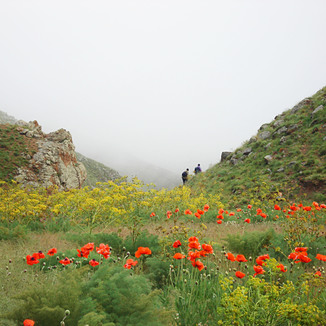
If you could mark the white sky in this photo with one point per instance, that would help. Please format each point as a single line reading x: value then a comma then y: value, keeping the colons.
x: 173, y: 83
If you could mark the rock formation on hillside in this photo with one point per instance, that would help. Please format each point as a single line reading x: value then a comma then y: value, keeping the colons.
x: 54, y: 161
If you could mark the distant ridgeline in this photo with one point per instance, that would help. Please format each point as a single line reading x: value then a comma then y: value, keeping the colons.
x: 286, y: 158
x: 31, y: 157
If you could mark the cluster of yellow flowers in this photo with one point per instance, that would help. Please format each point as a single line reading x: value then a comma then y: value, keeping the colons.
x: 110, y: 202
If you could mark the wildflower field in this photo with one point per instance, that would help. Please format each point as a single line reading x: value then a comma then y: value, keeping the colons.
x: 124, y: 253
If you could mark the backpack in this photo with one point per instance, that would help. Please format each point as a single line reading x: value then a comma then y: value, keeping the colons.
x: 184, y: 174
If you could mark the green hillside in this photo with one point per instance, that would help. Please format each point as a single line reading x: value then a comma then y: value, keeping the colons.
x: 96, y: 172
x: 285, y: 159
x: 17, y: 149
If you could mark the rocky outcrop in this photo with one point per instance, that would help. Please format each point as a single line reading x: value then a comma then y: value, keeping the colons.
x: 54, y: 161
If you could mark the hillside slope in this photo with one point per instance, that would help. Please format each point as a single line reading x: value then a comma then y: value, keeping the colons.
x: 285, y: 158
x: 17, y: 150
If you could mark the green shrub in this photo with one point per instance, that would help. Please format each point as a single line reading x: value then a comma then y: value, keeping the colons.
x: 249, y: 244
x: 46, y: 302
x: 114, y: 295
x: 13, y: 233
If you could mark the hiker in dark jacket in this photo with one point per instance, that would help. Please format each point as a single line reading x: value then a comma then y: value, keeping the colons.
x: 185, y: 176
x: 197, y: 169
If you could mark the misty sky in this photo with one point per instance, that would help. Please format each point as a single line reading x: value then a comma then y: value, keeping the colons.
x: 173, y: 83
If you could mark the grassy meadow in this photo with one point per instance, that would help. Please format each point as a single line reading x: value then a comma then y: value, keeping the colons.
x: 126, y: 254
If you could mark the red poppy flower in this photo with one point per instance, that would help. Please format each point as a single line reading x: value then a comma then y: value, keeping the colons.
x: 318, y: 273
x: 194, y: 245
x: 178, y: 256
x: 193, y: 239
x: 198, y: 264
x: 221, y: 211
x: 38, y: 255
x: 247, y: 220
x: 176, y: 210
x: 89, y: 247
x: 129, y: 263
x: 188, y: 212
x: 30, y: 260
x: 65, y: 261
x: 104, y: 250
x: 168, y: 214
x: 193, y: 255
x: 152, y: 214
x: 300, y: 249
x: 259, y: 211
x: 82, y: 253
x: 219, y: 221
x: 199, y: 211
x: 230, y: 256
x: 249, y: 206
x: 239, y: 210
x: 197, y: 215
x: 231, y: 214
x: 303, y: 259
x: 176, y: 244
x: 206, y: 208
x: 258, y: 270
x: 323, y: 206
x: 93, y: 262
x: 239, y: 274
x: 263, y: 215
x: 29, y: 322
x: 307, y: 208
x: 220, y: 216
x: 52, y: 251
x: 321, y: 257
x: 207, y: 248
x: 281, y: 267
x: 241, y: 258
x: 143, y: 251
x: 277, y: 208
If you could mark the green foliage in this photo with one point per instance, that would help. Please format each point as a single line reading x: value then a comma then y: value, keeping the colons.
x: 114, y: 295
x: 13, y: 149
x: 145, y: 239
x: 157, y: 271
x: 249, y: 244
x: 297, y: 167
x: 14, y: 232
x: 46, y: 302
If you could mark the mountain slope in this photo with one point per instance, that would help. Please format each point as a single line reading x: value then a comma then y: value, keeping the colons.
x: 287, y: 155
x: 96, y: 171
x: 16, y: 150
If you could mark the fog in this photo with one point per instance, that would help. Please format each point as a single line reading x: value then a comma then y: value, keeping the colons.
x: 170, y: 83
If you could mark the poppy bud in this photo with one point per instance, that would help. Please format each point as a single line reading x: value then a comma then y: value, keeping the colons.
x: 25, y: 270
x: 58, y: 258
x: 119, y: 258
x: 9, y: 261
x: 124, y: 249
x: 250, y: 258
x: 196, y: 283
x: 230, y: 269
x: 218, y: 268
x: 67, y: 312
x: 246, y: 266
x: 62, y: 323
x: 44, y: 263
x: 185, y: 281
x: 54, y: 267
x: 226, y: 273
x: 9, y: 274
x: 7, y: 267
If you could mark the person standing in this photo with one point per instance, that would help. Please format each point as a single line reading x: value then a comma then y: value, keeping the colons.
x: 185, y: 176
x: 197, y: 169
